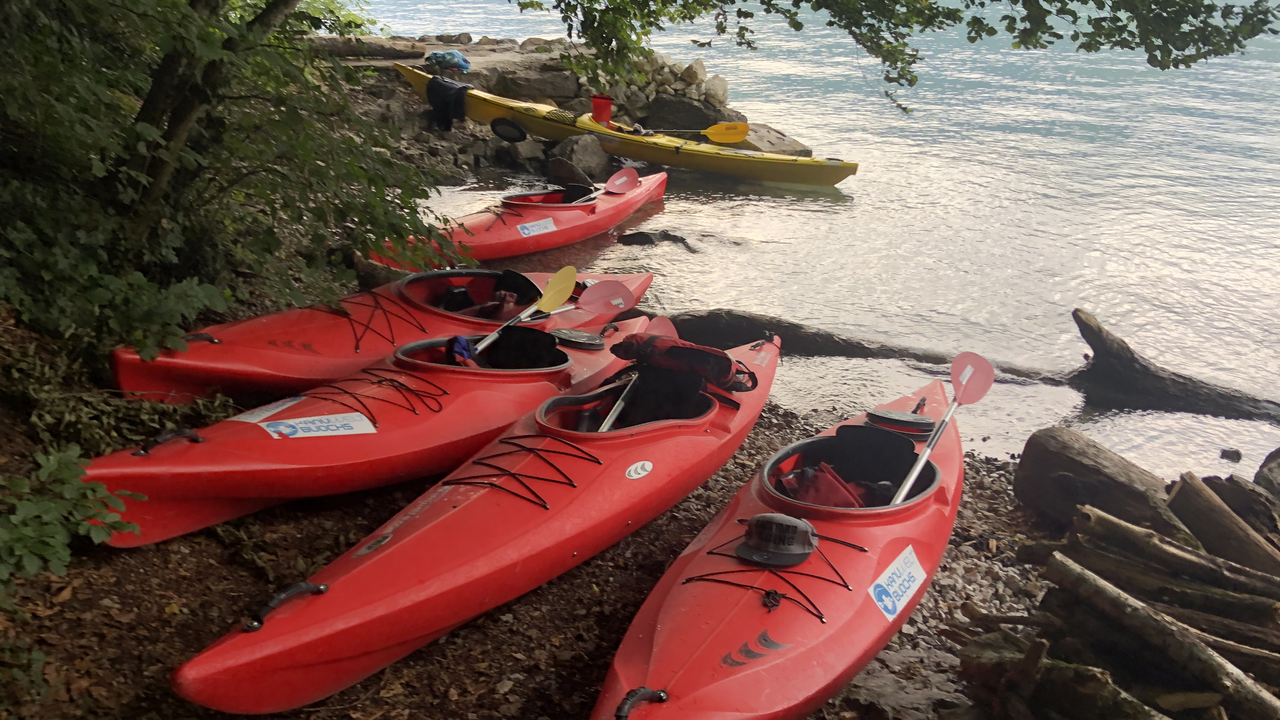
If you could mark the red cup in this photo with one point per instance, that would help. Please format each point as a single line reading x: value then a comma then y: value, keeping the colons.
x: 602, y: 109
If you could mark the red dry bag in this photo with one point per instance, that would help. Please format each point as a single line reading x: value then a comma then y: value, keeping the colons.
x: 674, y: 354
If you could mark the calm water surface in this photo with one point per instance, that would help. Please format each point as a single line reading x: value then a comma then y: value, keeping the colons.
x: 1024, y: 184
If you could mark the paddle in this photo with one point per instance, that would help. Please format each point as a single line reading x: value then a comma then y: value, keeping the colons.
x: 559, y: 288
x: 971, y: 378
x: 657, y: 326
x: 606, y: 296
x: 623, y: 181
x: 719, y: 133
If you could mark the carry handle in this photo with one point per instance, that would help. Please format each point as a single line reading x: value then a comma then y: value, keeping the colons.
x: 165, y: 437
x: 304, y: 587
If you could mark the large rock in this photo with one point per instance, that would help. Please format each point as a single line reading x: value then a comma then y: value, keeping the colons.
x: 532, y: 85
x: 766, y: 139
x: 716, y: 91
x: 1061, y: 469
x: 676, y: 112
x: 695, y: 73
x: 585, y: 152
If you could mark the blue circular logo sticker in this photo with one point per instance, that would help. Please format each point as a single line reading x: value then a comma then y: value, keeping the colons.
x: 281, y: 427
x: 884, y: 599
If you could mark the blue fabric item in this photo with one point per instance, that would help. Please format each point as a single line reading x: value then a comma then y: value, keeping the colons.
x: 449, y: 60
x: 459, y: 349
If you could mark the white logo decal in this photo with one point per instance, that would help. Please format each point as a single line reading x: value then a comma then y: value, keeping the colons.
x: 537, y: 228
x: 266, y: 411
x: 639, y: 470
x: 320, y: 426
x: 895, y: 586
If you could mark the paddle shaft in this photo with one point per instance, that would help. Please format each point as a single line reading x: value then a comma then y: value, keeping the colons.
x: 616, y: 410
x: 924, y: 455
x: 493, y: 336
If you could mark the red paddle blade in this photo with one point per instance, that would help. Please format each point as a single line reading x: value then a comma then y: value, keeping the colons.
x: 662, y: 326
x: 625, y: 180
x: 607, y: 297
x: 971, y: 377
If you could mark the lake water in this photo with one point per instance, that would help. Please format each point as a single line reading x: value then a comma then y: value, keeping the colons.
x: 1024, y: 184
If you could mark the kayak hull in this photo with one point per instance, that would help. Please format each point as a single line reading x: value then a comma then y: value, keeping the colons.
x: 533, y: 222
x: 550, y: 122
x: 393, y: 421
x: 527, y: 508
x: 287, y: 352
x: 728, y: 639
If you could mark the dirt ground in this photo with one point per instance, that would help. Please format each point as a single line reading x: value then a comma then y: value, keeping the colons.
x: 121, y: 620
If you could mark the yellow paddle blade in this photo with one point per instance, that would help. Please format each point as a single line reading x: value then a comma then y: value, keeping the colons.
x: 559, y: 288
x: 727, y: 132
x: 416, y: 78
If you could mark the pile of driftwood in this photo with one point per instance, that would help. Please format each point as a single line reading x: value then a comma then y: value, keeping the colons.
x: 1167, y: 600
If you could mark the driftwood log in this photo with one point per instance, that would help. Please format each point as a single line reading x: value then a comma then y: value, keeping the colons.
x: 1015, y: 676
x: 1224, y: 628
x: 1242, y: 696
x: 1257, y: 507
x: 1268, y: 475
x: 1061, y: 469
x: 1157, y: 550
x: 1118, y: 377
x: 1149, y: 583
x: 1220, y: 531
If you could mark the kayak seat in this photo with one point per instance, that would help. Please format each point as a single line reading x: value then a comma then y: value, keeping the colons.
x: 517, y: 348
x: 662, y: 394
x: 871, y: 461
x: 659, y: 395
x: 455, y: 299
x: 523, y: 348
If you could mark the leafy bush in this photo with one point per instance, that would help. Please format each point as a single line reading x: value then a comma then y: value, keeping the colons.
x: 42, y: 514
x: 152, y: 152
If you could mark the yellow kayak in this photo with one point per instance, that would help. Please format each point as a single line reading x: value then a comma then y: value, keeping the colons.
x: 555, y: 124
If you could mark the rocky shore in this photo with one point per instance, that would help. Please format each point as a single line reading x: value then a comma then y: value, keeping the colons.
x: 676, y: 96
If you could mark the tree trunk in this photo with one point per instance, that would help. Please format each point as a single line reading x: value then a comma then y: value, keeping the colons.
x: 1101, y: 527
x: 181, y: 90
x: 1221, y: 531
x: 1118, y: 377
x: 1061, y: 469
x: 1242, y: 697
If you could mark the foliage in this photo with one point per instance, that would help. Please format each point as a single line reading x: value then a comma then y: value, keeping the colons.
x: 42, y: 513
x: 153, y: 152
x: 64, y: 409
x: 1172, y: 33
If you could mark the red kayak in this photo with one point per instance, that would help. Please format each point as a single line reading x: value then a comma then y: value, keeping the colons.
x: 407, y: 416
x: 287, y: 352
x: 800, y: 581
x: 538, y: 501
x: 535, y: 221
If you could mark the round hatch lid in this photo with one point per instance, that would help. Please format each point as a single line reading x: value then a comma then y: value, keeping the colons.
x: 901, y: 421
x: 580, y: 339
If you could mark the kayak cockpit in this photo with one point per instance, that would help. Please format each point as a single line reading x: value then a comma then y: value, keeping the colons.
x: 484, y: 294
x: 858, y: 468
x: 659, y: 396
x: 578, y: 196
x: 517, y: 348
